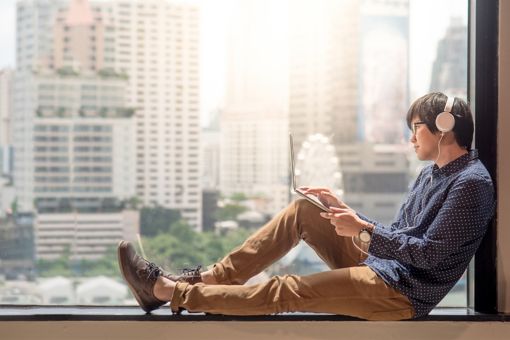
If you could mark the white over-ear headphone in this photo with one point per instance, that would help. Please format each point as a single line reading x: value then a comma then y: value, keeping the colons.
x: 445, y: 121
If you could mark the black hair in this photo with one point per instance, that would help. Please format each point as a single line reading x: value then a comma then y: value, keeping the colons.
x: 428, y: 107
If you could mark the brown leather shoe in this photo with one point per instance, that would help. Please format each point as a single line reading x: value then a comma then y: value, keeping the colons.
x: 188, y: 275
x: 140, y: 275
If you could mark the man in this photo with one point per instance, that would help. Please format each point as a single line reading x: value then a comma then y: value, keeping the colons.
x: 378, y: 272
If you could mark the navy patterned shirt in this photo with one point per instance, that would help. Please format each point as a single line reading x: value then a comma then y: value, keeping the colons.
x: 436, y: 232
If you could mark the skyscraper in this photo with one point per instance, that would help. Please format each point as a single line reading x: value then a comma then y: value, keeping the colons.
x: 254, y: 123
x: 149, y: 46
x: 348, y: 81
x: 450, y: 68
x: 324, y: 64
x: 72, y: 128
x: 156, y: 43
x: 384, y: 70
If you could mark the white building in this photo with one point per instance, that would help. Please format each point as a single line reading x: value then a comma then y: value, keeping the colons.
x: 82, y: 236
x: 5, y: 117
x: 211, y: 159
x: 73, y: 137
x: 7, y: 196
x: 73, y: 134
x: 101, y: 290
x: 255, y: 159
x: 157, y: 45
x: 56, y: 291
x: 254, y: 127
x: 323, y: 69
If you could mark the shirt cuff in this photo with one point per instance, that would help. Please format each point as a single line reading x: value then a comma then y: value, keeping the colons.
x: 379, y: 244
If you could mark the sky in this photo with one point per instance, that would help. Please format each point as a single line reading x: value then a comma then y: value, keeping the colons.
x: 428, y: 22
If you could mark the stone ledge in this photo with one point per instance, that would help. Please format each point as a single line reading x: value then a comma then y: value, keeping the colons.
x: 121, y: 313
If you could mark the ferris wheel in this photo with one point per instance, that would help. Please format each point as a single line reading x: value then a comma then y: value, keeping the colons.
x: 317, y: 165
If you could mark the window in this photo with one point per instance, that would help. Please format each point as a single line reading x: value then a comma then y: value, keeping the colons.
x: 332, y: 85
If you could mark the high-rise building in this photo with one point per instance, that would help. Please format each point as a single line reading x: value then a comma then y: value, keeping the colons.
x: 384, y: 80
x: 156, y: 43
x: 339, y: 89
x: 254, y: 142
x: 211, y: 159
x: 450, y: 68
x: 72, y: 130
x: 255, y: 160
x: 324, y: 66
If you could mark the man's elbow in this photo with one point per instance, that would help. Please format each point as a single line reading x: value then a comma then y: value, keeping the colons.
x: 428, y: 259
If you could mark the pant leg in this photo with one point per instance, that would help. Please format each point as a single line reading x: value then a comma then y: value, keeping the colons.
x: 355, y: 291
x: 300, y: 220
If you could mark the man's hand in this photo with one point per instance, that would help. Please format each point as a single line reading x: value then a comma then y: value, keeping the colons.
x: 326, y: 196
x: 345, y: 221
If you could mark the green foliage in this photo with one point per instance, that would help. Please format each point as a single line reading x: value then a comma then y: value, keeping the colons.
x: 183, y: 247
x: 229, y: 212
x: 154, y: 221
x: 179, y: 247
x: 14, y: 206
x: 106, y: 73
x: 238, y: 197
x: 58, y: 267
x: 67, y: 71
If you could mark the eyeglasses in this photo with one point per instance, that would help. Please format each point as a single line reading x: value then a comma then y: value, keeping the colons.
x: 415, y: 126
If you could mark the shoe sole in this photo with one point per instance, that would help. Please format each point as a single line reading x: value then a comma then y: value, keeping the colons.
x: 133, y: 290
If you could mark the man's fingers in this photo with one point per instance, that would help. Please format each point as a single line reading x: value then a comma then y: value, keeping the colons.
x: 333, y: 215
x: 340, y: 210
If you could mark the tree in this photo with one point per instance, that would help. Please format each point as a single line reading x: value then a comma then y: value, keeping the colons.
x: 229, y: 212
x: 133, y: 202
x: 238, y: 197
x: 14, y: 207
x: 154, y: 221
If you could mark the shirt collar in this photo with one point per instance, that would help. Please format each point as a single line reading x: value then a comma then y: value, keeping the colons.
x: 456, y: 164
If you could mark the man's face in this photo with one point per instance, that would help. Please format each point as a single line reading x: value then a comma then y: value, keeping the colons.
x: 424, y: 141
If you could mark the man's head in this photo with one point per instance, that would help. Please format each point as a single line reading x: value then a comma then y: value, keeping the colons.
x: 422, y: 114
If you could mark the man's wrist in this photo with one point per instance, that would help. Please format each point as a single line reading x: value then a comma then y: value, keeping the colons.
x: 365, y: 233
x: 369, y: 226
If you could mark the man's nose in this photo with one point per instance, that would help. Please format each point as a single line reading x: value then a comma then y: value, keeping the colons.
x: 412, y: 139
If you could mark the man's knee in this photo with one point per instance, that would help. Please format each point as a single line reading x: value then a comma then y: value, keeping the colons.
x: 302, y: 205
x: 304, y: 211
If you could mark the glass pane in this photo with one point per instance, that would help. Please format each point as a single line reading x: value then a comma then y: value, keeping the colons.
x: 171, y: 120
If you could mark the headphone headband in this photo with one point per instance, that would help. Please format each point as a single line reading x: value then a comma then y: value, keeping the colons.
x: 449, y: 104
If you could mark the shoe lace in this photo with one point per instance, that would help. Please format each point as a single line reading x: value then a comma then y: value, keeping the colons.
x: 191, y: 272
x: 152, y: 271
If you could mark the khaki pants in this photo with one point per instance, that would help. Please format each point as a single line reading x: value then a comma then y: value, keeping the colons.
x: 348, y: 289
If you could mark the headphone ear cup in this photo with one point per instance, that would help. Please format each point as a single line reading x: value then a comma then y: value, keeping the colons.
x: 445, y: 122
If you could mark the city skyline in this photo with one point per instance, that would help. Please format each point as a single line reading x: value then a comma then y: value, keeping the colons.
x: 213, y: 42
x: 123, y: 107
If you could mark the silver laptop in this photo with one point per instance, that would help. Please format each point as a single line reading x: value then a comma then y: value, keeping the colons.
x: 311, y: 198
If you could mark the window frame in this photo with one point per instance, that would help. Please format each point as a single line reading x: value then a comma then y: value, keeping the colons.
x: 483, y: 43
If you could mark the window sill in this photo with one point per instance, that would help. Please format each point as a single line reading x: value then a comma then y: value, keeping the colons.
x: 121, y: 313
